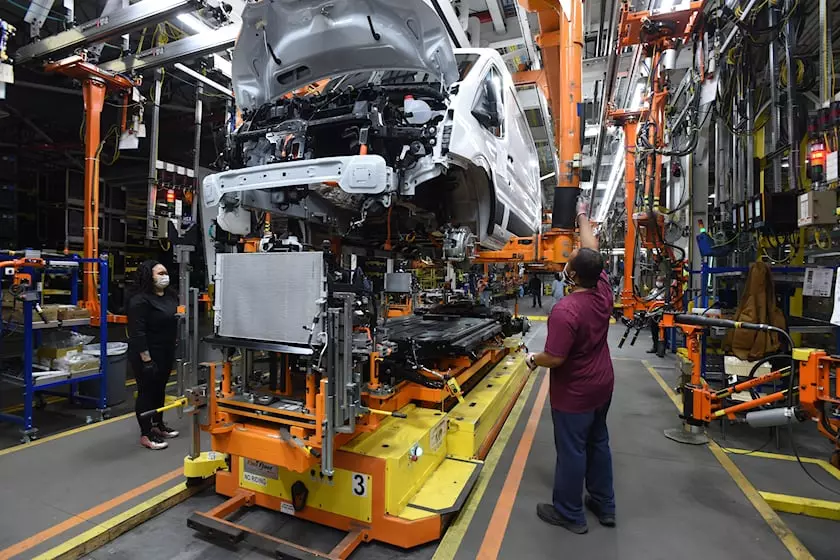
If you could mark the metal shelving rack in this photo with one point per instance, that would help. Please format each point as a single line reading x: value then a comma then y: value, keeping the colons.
x: 44, y: 382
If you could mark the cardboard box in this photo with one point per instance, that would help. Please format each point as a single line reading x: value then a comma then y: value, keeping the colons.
x: 69, y: 312
x: 47, y: 353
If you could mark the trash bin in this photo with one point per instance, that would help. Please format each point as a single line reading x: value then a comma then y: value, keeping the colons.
x: 117, y: 363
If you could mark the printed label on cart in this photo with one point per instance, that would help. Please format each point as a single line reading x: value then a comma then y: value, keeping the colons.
x: 260, y: 469
x: 288, y: 509
x: 437, y: 435
x: 360, y: 483
x: 255, y: 479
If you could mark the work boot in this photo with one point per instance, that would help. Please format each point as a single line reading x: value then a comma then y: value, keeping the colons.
x: 660, y: 350
x: 605, y: 519
x: 549, y: 514
x: 652, y: 350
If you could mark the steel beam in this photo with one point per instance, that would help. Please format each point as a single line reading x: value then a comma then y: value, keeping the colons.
x: 136, y: 16
x: 187, y: 48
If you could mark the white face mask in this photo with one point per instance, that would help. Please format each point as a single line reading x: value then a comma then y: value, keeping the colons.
x: 161, y: 281
x: 565, y: 278
x: 660, y: 284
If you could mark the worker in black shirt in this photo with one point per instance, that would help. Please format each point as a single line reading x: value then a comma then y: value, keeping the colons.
x: 535, y: 284
x: 152, y: 332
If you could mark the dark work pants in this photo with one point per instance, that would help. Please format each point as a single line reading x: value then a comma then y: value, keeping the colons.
x: 151, y: 389
x: 583, y: 454
x: 537, y: 297
x: 654, y: 334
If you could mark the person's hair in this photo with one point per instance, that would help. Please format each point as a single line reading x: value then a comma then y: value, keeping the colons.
x: 557, y: 276
x: 144, y: 282
x: 588, y: 265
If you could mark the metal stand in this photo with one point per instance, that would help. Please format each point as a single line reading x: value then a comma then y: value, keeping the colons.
x: 691, y: 435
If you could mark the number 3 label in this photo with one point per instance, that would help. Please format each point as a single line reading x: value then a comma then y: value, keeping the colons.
x: 359, y: 485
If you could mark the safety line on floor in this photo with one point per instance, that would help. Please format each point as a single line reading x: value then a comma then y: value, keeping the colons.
x: 80, y: 429
x: 451, y: 541
x: 789, y: 540
x: 87, y: 515
x: 112, y: 528
x: 823, y: 509
x: 828, y: 467
x: 495, y: 534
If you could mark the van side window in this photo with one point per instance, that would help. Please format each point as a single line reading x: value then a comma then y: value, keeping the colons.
x: 489, y: 105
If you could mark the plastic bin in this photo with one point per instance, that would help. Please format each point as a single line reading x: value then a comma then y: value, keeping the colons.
x: 117, y: 364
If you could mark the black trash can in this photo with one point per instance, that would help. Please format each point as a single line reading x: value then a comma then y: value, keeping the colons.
x: 117, y: 364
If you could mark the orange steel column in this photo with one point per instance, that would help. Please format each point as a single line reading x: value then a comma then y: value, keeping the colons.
x: 571, y: 69
x: 93, y: 92
x: 628, y: 297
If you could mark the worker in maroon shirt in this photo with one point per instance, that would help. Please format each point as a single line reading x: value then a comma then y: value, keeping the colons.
x: 581, y: 387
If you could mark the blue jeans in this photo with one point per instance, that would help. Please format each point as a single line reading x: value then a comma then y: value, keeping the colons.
x: 583, y: 454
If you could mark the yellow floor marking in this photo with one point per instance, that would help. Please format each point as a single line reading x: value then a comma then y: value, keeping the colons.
x: 120, y: 524
x: 455, y: 534
x: 828, y: 467
x: 789, y: 540
x: 78, y: 430
x: 537, y: 317
x: 803, y: 506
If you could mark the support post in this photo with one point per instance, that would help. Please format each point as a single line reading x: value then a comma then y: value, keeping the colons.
x: 93, y: 92
x: 628, y: 297
x: 199, y: 91
x: 154, y: 138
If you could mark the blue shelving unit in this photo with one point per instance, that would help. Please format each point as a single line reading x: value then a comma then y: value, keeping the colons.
x: 31, y: 338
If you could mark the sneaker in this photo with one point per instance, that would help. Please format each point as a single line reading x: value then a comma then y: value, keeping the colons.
x: 605, y: 519
x: 165, y: 431
x: 550, y: 515
x: 153, y: 442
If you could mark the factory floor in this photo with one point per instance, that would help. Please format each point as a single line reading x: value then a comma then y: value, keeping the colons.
x: 674, y: 501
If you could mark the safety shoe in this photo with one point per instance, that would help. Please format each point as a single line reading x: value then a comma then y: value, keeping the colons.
x: 605, y: 519
x: 165, y: 431
x: 153, y: 442
x: 549, y: 514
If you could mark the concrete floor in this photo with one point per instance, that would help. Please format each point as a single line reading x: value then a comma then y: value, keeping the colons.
x: 674, y: 501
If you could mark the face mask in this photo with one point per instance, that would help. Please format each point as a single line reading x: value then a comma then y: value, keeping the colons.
x: 161, y: 281
x: 660, y: 284
x: 564, y: 277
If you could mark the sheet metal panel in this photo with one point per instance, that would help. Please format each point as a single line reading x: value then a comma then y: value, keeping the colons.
x: 268, y: 296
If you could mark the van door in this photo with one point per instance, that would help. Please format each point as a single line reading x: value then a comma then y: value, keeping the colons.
x: 524, y: 167
x: 489, y: 110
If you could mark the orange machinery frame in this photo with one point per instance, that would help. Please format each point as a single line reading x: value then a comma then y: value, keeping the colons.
x: 96, y: 83
x: 561, y: 46
x: 243, y: 429
x: 702, y: 405
x: 634, y: 29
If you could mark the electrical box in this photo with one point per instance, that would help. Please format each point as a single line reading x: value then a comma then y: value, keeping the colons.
x: 780, y: 211
x: 756, y: 212
x: 817, y: 208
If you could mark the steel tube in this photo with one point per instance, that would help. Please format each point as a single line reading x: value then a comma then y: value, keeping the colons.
x: 793, y: 173
x: 154, y: 139
x: 609, y: 84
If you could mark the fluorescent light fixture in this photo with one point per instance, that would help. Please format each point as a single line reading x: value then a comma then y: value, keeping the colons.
x: 193, y: 23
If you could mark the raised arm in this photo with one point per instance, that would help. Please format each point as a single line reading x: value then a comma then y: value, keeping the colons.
x: 587, y: 237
